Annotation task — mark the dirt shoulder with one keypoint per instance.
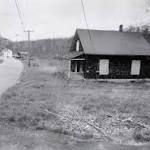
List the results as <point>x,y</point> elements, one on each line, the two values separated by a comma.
<point>121,111</point>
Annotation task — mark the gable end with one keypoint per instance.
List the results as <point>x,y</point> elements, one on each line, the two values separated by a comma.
<point>74,44</point>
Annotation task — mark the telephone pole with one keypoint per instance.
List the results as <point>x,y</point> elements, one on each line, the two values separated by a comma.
<point>17,44</point>
<point>29,47</point>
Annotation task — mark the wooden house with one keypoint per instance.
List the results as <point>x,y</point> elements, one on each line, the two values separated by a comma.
<point>97,54</point>
<point>7,53</point>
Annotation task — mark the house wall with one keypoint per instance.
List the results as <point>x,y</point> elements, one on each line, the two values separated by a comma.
<point>119,67</point>
<point>7,53</point>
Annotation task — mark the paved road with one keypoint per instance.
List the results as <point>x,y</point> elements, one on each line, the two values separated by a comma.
<point>10,71</point>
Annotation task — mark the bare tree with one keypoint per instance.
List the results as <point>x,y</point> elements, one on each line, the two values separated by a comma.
<point>147,4</point>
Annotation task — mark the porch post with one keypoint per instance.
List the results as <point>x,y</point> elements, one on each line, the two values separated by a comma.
<point>69,73</point>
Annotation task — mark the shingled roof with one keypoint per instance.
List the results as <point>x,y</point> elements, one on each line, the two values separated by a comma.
<point>113,42</point>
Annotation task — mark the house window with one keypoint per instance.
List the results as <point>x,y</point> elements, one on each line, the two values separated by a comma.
<point>104,66</point>
<point>135,67</point>
<point>77,45</point>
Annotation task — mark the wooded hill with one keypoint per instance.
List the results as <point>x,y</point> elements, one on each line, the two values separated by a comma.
<point>45,48</point>
<point>5,43</point>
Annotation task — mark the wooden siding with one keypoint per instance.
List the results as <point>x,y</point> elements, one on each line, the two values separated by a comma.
<point>119,67</point>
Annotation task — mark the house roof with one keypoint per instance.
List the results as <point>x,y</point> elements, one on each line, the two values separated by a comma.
<point>73,55</point>
<point>113,42</point>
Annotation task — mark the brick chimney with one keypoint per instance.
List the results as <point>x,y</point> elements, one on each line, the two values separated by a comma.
<point>121,28</point>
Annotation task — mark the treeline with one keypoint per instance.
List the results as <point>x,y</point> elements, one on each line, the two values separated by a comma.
<point>54,48</point>
<point>144,29</point>
<point>5,43</point>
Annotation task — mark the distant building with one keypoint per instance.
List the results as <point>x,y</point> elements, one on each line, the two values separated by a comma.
<point>97,54</point>
<point>7,53</point>
<point>22,54</point>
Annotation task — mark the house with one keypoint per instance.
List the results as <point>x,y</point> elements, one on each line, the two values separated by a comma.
<point>97,54</point>
<point>7,53</point>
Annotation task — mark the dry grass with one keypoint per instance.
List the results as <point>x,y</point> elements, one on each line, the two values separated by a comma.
<point>1,61</point>
<point>106,105</point>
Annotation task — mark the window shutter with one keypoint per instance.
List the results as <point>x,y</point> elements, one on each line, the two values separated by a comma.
<point>135,67</point>
<point>104,67</point>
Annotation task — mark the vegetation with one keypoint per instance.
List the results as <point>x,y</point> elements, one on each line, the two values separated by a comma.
<point>5,43</point>
<point>46,48</point>
<point>121,111</point>
<point>143,28</point>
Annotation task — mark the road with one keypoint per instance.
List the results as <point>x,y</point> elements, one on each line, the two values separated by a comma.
<point>10,71</point>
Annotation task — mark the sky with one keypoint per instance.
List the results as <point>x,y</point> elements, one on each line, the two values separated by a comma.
<point>60,18</point>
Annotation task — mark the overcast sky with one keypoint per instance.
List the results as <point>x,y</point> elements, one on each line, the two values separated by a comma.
<point>60,18</point>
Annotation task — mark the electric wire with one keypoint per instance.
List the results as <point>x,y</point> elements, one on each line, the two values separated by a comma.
<point>19,14</point>
<point>87,26</point>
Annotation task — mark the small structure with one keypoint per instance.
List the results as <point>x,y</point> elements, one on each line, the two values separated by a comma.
<point>22,54</point>
<point>7,53</point>
<point>96,54</point>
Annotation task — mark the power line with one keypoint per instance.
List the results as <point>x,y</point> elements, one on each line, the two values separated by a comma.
<point>19,10</point>
<point>84,13</point>
<point>19,14</point>
<point>87,26</point>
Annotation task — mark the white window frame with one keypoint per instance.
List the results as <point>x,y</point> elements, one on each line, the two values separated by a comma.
<point>103,66</point>
<point>78,46</point>
<point>135,67</point>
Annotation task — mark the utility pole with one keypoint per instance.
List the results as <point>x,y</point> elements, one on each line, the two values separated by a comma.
<point>17,45</point>
<point>29,47</point>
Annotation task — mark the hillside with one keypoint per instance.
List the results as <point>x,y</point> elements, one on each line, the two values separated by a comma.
<point>46,48</point>
<point>5,43</point>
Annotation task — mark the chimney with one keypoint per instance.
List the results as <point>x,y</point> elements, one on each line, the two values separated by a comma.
<point>121,28</point>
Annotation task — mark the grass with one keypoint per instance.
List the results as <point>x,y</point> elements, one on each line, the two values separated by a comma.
<point>106,105</point>
<point>1,61</point>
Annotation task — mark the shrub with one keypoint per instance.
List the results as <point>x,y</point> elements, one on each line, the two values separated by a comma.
<point>141,134</point>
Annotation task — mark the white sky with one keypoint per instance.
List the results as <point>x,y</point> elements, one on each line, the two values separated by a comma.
<point>60,18</point>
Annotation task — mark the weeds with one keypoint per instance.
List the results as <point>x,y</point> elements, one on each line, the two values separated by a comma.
<point>112,108</point>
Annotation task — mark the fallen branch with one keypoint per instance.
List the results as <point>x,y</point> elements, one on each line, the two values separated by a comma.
<point>137,123</point>
<point>88,123</point>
